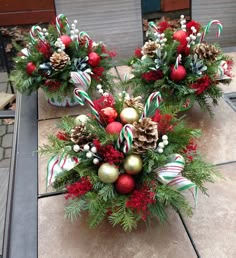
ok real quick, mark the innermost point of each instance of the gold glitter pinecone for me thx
(59, 60)
(206, 51)
(80, 136)
(145, 135)
(135, 103)
(150, 47)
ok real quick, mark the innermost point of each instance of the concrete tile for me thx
(218, 141)
(123, 70)
(77, 240)
(213, 226)
(3, 77)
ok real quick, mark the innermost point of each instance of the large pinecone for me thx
(134, 103)
(206, 51)
(145, 135)
(150, 47)
(80, 136)
(59, 60)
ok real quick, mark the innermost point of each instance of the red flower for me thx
(140, 199)
(138, 53)
(97, 73)
(52, 85)
(201, 84)
(44, 48)
(110, 53)
(163, 26)
(193, 24)
(190, 150)
(164, 122)
(152, 76)
(108, 153)
(103, 102)
(79, 188)
(62, 136)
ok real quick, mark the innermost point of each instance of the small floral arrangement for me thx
(125, 161)
(180, 64)
(59, 58)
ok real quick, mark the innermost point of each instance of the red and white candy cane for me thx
(35, 34)
(62, 24)
(83, 97)
(84, 35)
(207, 28)
(155, 96)
(178, 60)
(125, 138)
(152, 26)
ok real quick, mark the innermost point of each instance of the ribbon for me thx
(125, 138)
(57, 165)
(62, 23)
(36, 33)
(84, 34)
(207, 28)
(170, 174)
(223, 71)
(155, 96)
(81, 78)
(83, 97)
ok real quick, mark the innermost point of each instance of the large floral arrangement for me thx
(180, 64)
(58, 58)
(125, 161)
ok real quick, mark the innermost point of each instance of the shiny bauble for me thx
(66, 40)
(81, 120)
(180, 35)
(108, 173)
(44, 49)
(178, 74)
(30, 68)
(133, 164)
(108, 115)
(125, 184)
(94, 59)
(114, 128)
(129, 115)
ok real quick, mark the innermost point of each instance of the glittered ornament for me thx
(108, 114)
(81, 120)
(178, 74)
(133, 164)
(129, 115)
(94, 59)
(180, 36)
(114, 128)
(125, 184)
(108, 173)
(30, 68)
(66, 40)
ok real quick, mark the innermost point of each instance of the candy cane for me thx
(152, 26)
(178, 60)
(125, 138)
(81, 78)
(207, 28)
(61, 23)
(154, 96)
(84, 34)
(82, 96)
(36, 33)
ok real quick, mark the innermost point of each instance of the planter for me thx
(62, 101)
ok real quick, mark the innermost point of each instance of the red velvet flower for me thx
(201, 84)
(62, 136)
(164, 122)
(108, 153)
(193, 24)
(190, 150)
(97, 73)
(152, 76)
(52, 85)
(103, 102)
(138, 53)
(163, 26)
(110, 53)
(79, 188)
(140, 199)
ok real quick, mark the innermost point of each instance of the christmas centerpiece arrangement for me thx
(126, 161)
(180, 64)
(59, 58)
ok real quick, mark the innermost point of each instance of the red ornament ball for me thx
(30, 68)
(108, 115)
(66, 40)
(178, 74)
(125, 184)
(180, 36)
(94, 59)
(114, 127)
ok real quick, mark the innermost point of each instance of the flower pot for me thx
(62, 101)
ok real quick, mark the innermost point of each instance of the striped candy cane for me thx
(81, 78)
(62, 23)
(178, 60)
(207, 28)
(125, 138)
(152, 26)
(83, 97)
(82, 35)
(155, 96)
(35, 34)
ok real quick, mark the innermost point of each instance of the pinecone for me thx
(206, 51)
(145, 135)
(80, 136)
(150, 47)
(59, 60)
(134, 103)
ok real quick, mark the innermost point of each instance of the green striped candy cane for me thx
(62, 24)
(207, 28)
(155, 96)
(125, 138)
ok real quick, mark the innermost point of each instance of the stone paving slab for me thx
(213, 226)
(60, 238)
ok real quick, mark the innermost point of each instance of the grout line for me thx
(44, 195)
(225, 163)
(189, 235)
(117, 73)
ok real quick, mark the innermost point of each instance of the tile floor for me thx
(212, 226)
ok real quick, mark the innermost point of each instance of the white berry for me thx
(95, 161)
(86, 147)
(181, 16)
(161, 145)
(76, 148)
(165, 142)
(164, 137)
(94, 149)
(89, 154)
(199, 34)
(75, 21)
(99, 86)
(159, 150)
(100, 91)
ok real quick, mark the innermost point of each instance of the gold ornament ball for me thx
(108, 173)
(129, 115)
(133, 164)
(81, 119)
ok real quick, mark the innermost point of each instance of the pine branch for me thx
(158, 210)
(74, 209)
(54, 147)
(107, 192)
(66, 124)
(66, 178)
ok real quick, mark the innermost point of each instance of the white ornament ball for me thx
(81, 119)
(86, 147)
(94, 149)
(164, 137)
(76, 148)
(89, 155)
